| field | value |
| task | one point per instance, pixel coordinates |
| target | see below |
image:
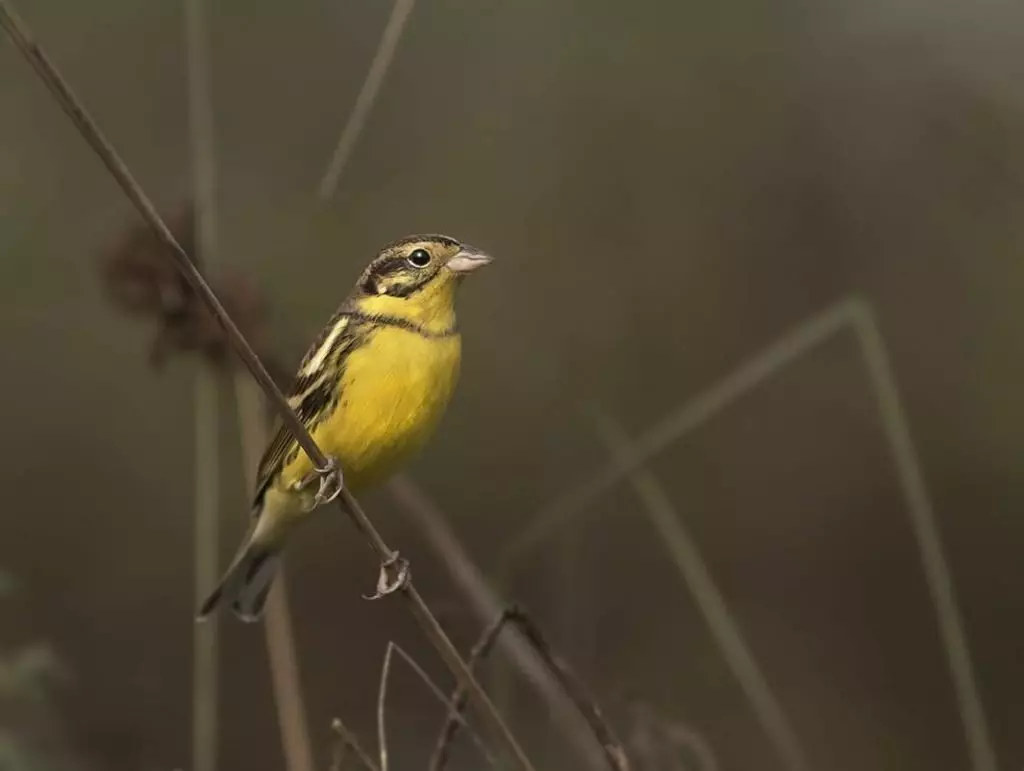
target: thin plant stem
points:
(458, 702)
(450, 708)
(921, 511)
(610, 743)
(691, 566)
(207, 520)
(347, 741)
(284, 669)
(385, 53)
(691, 414)
(487, 605)
(382, 695)
(22, 37)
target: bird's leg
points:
(330, 483)
(394, 575)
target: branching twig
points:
(452, 711)
(488, 605)
(458, 701)
(347, 742)
(22, 38)
(587, 706)
(613, 748)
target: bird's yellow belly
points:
(395, 388)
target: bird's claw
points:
(330, 483)
(394, 575)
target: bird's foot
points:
(330, 482)
(394, 575)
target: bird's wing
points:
(312, 393)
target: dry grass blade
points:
(724, 628)
(614, 752)
(47, 71)
(367, 95)
(458, 702)
(451, 710)
(610, 743)
(488, 605)
(346, 742)
(382, 696)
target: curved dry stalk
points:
(382, 693)
(54, 81)
(347, 742)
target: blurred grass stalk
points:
(207, 451)
(724, 629)
(851, 314)
(284, 670)
(382, 58)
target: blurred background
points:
(671, 189)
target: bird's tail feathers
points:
(245, 584)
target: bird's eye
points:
(420, 258)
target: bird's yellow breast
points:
(394, 390)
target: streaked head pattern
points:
(405, 267)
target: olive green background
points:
(668, 187)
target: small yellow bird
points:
(370, 391)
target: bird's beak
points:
(467, 260)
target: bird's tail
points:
(246, 583)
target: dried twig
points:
(458, 701)
(367, 95)
(451, 711)
(22, 38)
(382, 693)
(488, 605)
(613, 750)
(612, 746)
(347, 742)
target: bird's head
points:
(416, 277)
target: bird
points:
(370, 390)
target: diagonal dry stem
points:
(488, 605)
(33, 53)
(400, 13)
(345, 743)
(849, 314)
(458, 701)
(451, 710)
(724, 629)
(516, 617)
